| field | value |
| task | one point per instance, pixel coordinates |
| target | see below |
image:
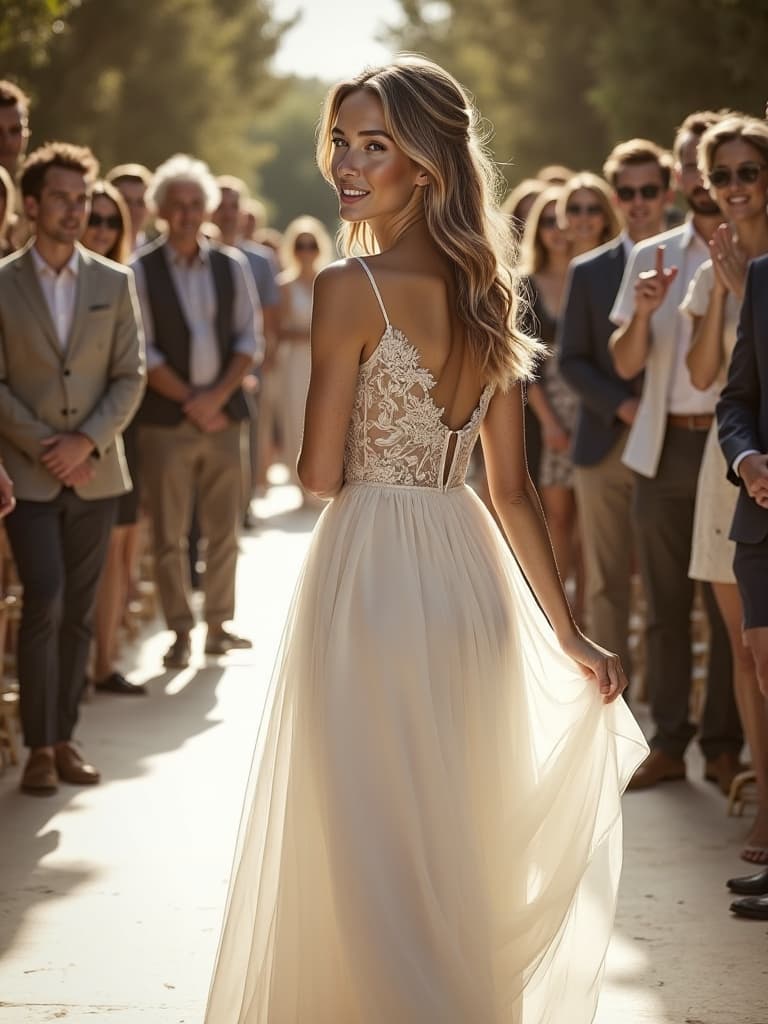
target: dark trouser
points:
(59, 547)
(663, 512)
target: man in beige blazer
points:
(71, 374)
(664, 449)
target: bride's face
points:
(373, 178)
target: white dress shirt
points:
(197, 297)
(683, 398)
(60, 292)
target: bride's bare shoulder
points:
(343, 297)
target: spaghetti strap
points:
(375, 287)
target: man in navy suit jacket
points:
(639, 172)
(742, 418)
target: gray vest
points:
(172, 334)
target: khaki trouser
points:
(181, 465)
(604, 499)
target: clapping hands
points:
(729, 262)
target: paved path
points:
(111, 898)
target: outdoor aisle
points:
(111, 898)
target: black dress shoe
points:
(117, 683)
(750, 885)
(754, 907)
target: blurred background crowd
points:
(196, 164)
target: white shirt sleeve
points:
(740, 458)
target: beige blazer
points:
(93, 384)
(646, 435)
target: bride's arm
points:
(337, 336)
(519, 510)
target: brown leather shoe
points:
(72, 768)
(723, 769)
(40, 778)
(179, 653)
(658, 767)
(219, 641)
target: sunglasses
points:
(626, 193)
(113, 221)
(747, 174)
(591, 210)
(306, 247)
(548, 221)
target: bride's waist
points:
(405, 488)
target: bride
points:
(432, 829)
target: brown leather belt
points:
(696, 421)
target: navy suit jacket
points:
(742, 412)
(585, 363)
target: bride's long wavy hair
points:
(435, 124)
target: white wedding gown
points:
(432, 828)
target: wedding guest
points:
(203, 328)
(517, 207)
(545, 253)
(733, 157)
(742, 415)
(228, 217)
(519, 201)
(554, 174)
(307, 248)
(639, 174)
(108, 233)
(7, 211)
(71, 375)
(132, 182)
(664, 449)
(586, 211)
(14, 127)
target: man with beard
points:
(664, 449)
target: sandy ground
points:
(111, 897)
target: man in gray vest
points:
(203, 328)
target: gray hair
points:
(183, 168)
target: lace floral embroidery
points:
(396, 434)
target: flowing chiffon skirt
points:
(432, 826)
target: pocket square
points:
(96, 308)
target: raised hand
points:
(652, 286)
(729, 261)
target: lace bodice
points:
(396, 434)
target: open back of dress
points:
(432, 827)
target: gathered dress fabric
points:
(432, 825)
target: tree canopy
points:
(142, 81)
(563, 82)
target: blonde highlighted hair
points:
(533, 253)
(602, 193)
(305, 225)
(735, 126)
(433, 122)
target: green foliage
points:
(26, 28)
(140, 82)
(561, 83)
(289, 177)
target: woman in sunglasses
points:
(586, 210)
(108, 234)
(545, 253)
(733, 158)
(306, 249)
